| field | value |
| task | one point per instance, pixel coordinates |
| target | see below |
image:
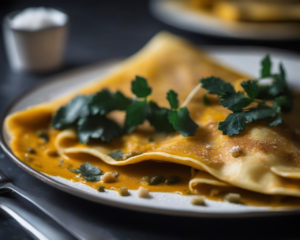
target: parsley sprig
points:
(239, 102)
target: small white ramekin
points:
(35, 51)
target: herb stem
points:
(191, 95)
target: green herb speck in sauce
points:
(155, 180)
(31, 150)
(43, 135)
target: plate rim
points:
(114, 202)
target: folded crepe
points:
(261, 158)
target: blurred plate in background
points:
(176, 13)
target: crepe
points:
(261, 158)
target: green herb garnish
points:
(136, 114)
(69, 114)
(31, 150)
(43, 134)
(117, 155)
(266, 66)
(140, 87)
(158, 118)
(237, 121)
(95, 127)
(104, 102)
(279, 85)
(172, 98)
(141, 110)
(180, 118)
(87, 114)
(172, 180)
(238, 102)
(89, 172)
(215, 85)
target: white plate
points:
(171, 12)
(243, 59)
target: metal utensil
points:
(36, 227)
(77, 227)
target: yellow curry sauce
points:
(46, 160)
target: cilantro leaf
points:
(136, 114)
(276, 122)
(279, 102)
(282, 73)
(237, 121)
(158, 118)
(237, 102)
(287, 104)
(282, 103)
(260, 113)
(104, 102)
(233, 124)
(234, 101)
(172, 98)
(279, 86)
(117, 155)
(75, 170)
(182, 122)
(251, 88)
(67, 115)
(266, 66)
(140, 87)
(263, 93)
(89, 172)
(97, 127)
(215, 85)
(231, 99)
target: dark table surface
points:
(99, 31)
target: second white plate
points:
(174, 13)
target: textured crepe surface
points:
(268, 159)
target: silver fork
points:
(36, 227)
(75, 226)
